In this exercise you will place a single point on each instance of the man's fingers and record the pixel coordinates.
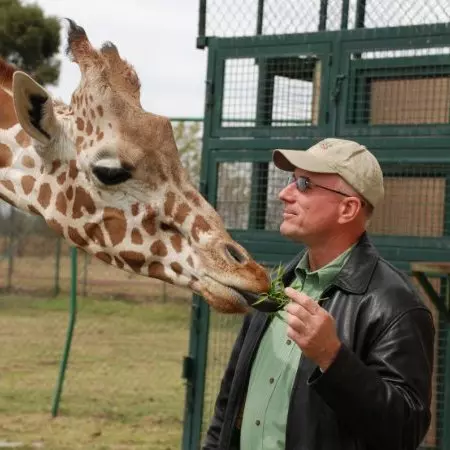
(303, 300)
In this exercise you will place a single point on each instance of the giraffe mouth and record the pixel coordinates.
(267, 306)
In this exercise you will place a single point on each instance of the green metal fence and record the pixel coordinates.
(287, 74)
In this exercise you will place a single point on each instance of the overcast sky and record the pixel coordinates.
(156, 36)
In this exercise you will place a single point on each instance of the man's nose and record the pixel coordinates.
(287, 192)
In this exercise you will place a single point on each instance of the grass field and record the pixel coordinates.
(123, 388)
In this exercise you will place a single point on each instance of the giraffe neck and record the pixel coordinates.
(20, 166)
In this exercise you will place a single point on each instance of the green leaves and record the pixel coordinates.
(276, 291)
(30, 40)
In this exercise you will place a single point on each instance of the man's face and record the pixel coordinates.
(310, 215)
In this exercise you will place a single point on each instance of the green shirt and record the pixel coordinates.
(275, 366)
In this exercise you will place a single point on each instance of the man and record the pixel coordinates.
(348, 363)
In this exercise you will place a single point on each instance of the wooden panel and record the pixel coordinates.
(412, 207)
(409, 101)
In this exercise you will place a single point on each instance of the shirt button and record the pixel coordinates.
(271, 380)
(288, 342)
(258, 423)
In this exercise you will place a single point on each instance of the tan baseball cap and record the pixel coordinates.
(352, 161)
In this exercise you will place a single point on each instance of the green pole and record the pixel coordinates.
(72, 319)
(57, 288)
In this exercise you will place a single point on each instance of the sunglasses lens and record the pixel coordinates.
(302, 184)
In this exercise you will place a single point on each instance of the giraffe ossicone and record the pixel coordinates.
(107, 176)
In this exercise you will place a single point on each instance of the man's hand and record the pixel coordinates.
(312, 329)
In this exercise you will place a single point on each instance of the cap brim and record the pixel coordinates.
(289, 160)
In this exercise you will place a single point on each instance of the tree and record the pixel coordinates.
(30, 40)
(188, 136)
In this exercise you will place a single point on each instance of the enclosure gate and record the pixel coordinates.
(388, 88)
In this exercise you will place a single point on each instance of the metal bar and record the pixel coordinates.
(201, 33)
(199, 331)
(431, 292)
(344, 14)
(260, 172)
(67, 346)
(260, 18)
(56, 287)
(360, 13)
(323, 12)
(11, 242)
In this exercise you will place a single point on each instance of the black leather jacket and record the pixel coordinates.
(375, 395)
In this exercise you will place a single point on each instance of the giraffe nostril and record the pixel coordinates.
(235, 254)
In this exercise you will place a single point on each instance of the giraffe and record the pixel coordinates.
(106, 175)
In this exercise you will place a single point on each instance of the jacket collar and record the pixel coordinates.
(356, 274)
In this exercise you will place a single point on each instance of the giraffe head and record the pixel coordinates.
(107, 176)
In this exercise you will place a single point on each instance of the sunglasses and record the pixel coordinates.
(304, 183)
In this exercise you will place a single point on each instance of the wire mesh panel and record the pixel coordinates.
(236, 18)
(393, 87)
(278, 92)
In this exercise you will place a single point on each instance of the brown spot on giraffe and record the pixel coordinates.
(136, 237)
(8, 185)
(61, 178)
(45, 195)
(23, 139)
(149, 221)
(100, 136)
(169, 204)
(73, 171)
(182, 212)
(199, 225)
(158, 248)
(28, 183)
(194, 198)
(69, 193)
(100, 110)
(133, 259)
(104, 257)
(92, 113)
(28, 161)
(55, 226)
(176, 267)
(82, 202)
(5, 156)
(177, 242)
(76, 237)
(189, 261)
(119, 262)
(61, 203)
(95, 233)
(80, 124)
(79, 140)
(55, 166)
(91, 98)
(115, 224)
(135, 209)
(156, 270)
(89, 128)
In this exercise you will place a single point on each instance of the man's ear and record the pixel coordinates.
(34, 108)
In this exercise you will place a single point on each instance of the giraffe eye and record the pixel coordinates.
(111, 175)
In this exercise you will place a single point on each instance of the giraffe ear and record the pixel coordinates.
(34, 108)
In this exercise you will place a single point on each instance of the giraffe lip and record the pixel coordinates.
(267, 306)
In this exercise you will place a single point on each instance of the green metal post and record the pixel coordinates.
(11, 242)
(260, 18)
(260, 172)
(72, 320)
(57, 287)
(344, 14)
(323, 12)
